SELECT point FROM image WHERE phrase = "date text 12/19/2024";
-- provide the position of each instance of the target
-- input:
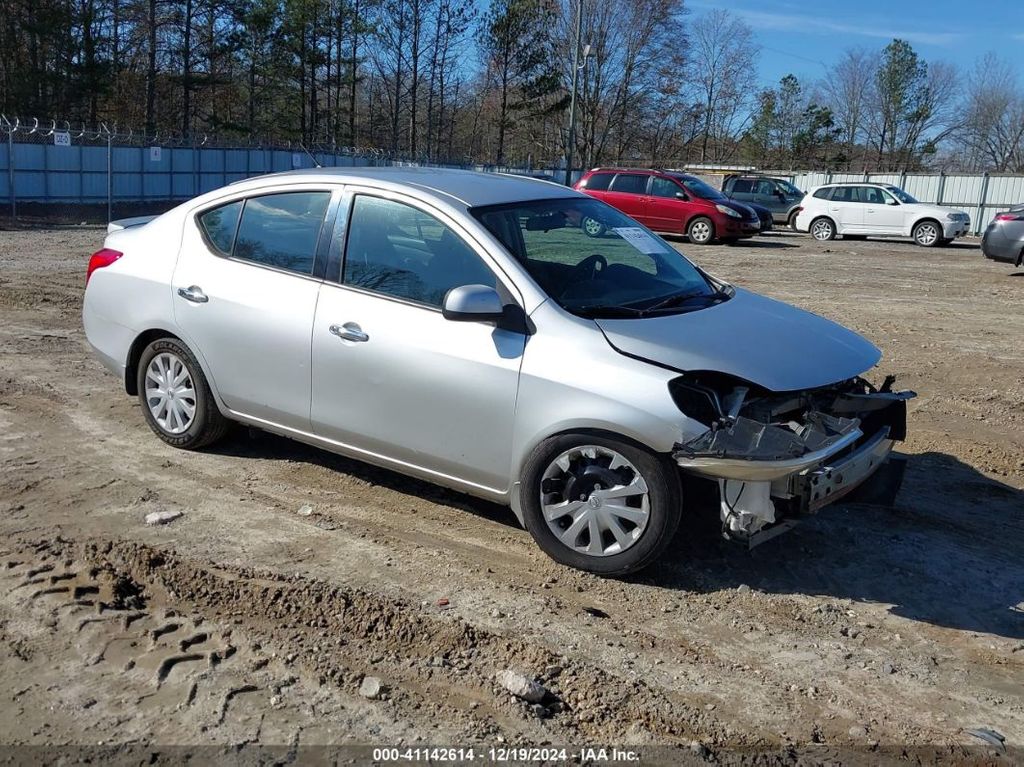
(501, 754)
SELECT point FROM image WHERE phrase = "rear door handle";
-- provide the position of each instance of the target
(193, 293)
(350, 331)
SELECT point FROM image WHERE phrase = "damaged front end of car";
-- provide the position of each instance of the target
(777, 457)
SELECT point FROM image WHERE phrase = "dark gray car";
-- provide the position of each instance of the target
(1004, 237)
(776, 194)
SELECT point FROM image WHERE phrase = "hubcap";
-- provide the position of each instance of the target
(926, 234)
(595, 501)
(701, 231)
(822, 230)
(592, 227)
(170, 395)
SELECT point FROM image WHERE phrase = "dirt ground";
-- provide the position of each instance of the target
(865, 634)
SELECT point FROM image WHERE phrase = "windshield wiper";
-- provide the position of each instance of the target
(610, 310)
(678, 298)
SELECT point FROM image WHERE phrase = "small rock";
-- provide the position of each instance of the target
(521, 686)
(858, 732)
(496, 613)
(888, 668)
(743, 589)
(162, 517)
(597, 612)
(371, 688)
(305, 510)
(442, 602)
(539, 711)
(275, 701)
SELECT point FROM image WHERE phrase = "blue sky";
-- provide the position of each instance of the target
(802, 36)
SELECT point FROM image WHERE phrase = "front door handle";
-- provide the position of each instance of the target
(350, 331)
(193, 293)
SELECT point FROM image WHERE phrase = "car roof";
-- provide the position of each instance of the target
(470, 188)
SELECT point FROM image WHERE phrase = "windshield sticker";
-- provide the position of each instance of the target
(640, 240)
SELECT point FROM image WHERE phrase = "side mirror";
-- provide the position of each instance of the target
(682, 196)
(472, 303)
(892, 201)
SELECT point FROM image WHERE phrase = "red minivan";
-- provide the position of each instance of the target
(664, 201)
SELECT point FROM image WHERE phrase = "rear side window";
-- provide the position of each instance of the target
(764, 187)
(598, 182)
(219, 225)
(824, 193)
(742, 185)
(282, 230)
(630, 183)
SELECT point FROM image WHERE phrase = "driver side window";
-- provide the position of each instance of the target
(400, 251)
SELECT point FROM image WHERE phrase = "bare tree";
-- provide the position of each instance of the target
(722, 73)
(848, 91)
(992, 133)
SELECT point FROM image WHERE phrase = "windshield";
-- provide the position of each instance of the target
(788, 188)
(596, 262)
(700, 188)
(900, 195)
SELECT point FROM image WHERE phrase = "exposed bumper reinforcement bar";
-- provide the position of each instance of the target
(753, 470)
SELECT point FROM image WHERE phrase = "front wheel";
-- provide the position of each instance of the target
(823, 230)
(701, 231)
(176, 398)
(600, 504)
(927, 234)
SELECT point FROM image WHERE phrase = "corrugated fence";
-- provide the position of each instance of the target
(57, 167)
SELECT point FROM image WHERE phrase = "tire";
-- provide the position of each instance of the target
(791, 223)
(700, 230)
(823, 229)
(171, 360)
(589, 465)
(592, 227)
(927, 233)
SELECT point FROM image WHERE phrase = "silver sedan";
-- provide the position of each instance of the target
(467, 329)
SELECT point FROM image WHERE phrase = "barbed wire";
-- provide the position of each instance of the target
(41, 131)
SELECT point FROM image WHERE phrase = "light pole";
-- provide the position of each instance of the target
(576, 67)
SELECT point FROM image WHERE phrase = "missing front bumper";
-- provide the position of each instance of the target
(770, 475)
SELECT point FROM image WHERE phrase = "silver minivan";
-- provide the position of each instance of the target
(465, 328)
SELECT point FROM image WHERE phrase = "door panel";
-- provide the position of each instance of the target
(426, 391)
(664, 211)
(391, 376)
(846, 211)
(879, 216)
(251, 325)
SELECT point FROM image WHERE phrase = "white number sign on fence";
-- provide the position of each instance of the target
(155, 153)
(61, 138)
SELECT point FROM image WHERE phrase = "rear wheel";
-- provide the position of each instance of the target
(823, 229)
(927, 233)
(592, 227)
(176, 398)
(791, 223)
(701, 231)
(600, 504)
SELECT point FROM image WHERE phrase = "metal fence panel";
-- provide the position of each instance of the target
(107, 167)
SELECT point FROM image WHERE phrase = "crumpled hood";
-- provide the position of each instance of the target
(758, 339)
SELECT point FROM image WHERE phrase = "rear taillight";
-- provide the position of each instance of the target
(101, 258)
(1010, 217)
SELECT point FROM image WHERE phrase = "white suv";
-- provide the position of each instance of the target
(861, 210)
